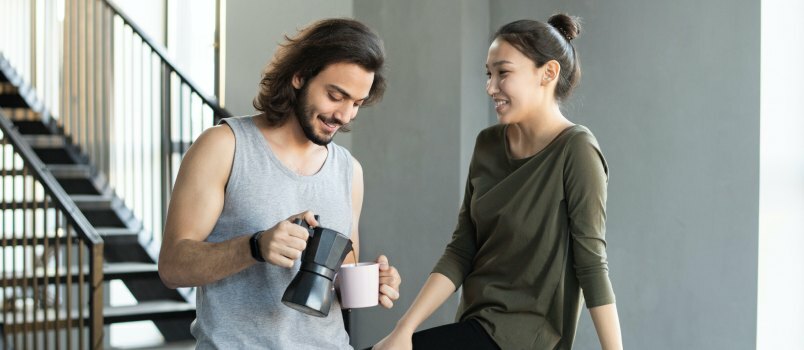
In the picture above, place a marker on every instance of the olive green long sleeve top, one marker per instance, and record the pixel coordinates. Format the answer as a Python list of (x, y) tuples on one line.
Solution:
[(530, 237)]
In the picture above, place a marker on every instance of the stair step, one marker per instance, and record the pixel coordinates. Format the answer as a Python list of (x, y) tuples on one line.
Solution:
[(144, 311), (92, 201), (12, 101), (130, 270), (149, 310), (31, 127), (111, 271), (119, 236), (103, 217), (45, 141), (54, 156), (75, 186), (70, 171), (51, 149), (110, 235), (177, 345)]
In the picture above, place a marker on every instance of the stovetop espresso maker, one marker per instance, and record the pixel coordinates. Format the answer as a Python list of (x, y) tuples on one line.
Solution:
[(311, 290)]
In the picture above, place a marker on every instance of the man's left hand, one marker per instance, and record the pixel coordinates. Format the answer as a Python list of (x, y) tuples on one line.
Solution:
[(389, 282)]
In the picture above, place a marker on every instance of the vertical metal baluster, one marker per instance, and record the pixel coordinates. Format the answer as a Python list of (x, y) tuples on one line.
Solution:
[(109, 81), (64, 115), (148, 147), (46, 53), (147, 118), (45, 305), (24, 246), (81, 304), (69, 275), (127, 146), (56, 279), (14, 252), (139, 210), (74, 72), (100, 95), (181, 122), (96, 298), (104, 76), (33, 266), (33, 44), (167, 144), (91, 69), (120, 124), (80, 130), (192, 119), (4, 241)]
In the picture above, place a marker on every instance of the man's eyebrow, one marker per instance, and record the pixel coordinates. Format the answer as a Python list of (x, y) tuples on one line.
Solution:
[(343, 92)]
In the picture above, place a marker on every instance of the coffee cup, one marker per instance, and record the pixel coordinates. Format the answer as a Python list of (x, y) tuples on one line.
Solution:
[(359, 285)]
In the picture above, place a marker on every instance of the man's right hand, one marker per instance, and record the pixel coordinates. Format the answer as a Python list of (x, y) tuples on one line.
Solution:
[(283, 244)]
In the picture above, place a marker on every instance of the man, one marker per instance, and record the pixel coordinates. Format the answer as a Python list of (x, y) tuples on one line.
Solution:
[(265, 171)]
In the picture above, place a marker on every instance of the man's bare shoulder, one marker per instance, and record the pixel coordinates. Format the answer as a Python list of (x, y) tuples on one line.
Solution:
[(211, 155)]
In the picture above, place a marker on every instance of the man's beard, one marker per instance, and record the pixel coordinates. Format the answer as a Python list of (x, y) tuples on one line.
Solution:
[(304, 114)]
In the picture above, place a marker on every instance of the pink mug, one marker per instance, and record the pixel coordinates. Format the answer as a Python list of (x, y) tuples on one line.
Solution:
[(359, 285)]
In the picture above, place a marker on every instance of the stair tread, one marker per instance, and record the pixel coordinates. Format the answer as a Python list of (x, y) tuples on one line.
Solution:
[(146, 310), (104, 232), (178, 345), (70, 170), (87, 198), (116, 231), (129, 270), (149, 310), (45, 141), (116, 270)]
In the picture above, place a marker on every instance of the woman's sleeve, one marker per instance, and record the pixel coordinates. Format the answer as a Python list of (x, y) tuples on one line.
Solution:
[(456, 262), (585, 186)]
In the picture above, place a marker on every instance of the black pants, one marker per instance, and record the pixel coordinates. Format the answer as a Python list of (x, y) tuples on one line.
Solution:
[(466, 335)]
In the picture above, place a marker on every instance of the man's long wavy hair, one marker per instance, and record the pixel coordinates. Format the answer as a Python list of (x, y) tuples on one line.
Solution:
[(308, 53)]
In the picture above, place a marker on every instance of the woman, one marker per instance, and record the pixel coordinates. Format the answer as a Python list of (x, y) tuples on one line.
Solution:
[(530, 233)]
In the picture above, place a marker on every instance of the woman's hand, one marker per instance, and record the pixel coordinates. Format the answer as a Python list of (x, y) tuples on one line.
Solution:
[(397, 340)]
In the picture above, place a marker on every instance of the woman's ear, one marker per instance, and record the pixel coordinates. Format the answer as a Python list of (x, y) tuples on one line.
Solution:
[(550, 72), (297, 81)]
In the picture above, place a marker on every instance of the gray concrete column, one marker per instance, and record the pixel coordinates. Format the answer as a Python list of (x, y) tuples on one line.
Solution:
[(415, 145)]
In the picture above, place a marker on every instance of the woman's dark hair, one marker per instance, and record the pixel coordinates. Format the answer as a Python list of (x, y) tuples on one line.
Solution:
[(308, 53), (543, 42)]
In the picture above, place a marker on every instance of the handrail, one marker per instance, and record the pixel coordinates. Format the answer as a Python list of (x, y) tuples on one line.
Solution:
[(211, 101), (40, 172), (47, 318)]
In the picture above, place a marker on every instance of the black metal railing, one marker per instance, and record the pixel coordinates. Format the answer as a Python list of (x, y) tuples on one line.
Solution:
[(122, 100), (52, 258)]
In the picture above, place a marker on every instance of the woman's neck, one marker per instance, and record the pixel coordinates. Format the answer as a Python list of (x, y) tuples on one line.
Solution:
[(530, 136)]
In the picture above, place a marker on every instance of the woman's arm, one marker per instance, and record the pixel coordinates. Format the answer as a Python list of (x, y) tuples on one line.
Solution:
[(435, 291), (607, 325)]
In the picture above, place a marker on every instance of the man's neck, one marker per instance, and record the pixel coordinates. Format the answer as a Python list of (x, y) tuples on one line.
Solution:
[(292, 147)]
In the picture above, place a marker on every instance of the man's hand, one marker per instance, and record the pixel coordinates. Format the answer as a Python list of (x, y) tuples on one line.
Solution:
[(283, 244), (389, 282)]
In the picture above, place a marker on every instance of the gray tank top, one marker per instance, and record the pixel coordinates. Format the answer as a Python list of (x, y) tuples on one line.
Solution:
[(244, 311)]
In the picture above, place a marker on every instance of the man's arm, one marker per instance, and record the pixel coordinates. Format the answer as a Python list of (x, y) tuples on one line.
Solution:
[(196, 203)]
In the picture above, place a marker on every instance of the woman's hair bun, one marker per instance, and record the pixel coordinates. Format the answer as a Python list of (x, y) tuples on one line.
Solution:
[(568, 26)]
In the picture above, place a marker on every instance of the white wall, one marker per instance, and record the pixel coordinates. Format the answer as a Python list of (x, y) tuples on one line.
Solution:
[(780, 314)]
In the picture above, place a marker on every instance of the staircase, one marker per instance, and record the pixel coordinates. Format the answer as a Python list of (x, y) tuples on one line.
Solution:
[(126, 248), (105, 160)]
